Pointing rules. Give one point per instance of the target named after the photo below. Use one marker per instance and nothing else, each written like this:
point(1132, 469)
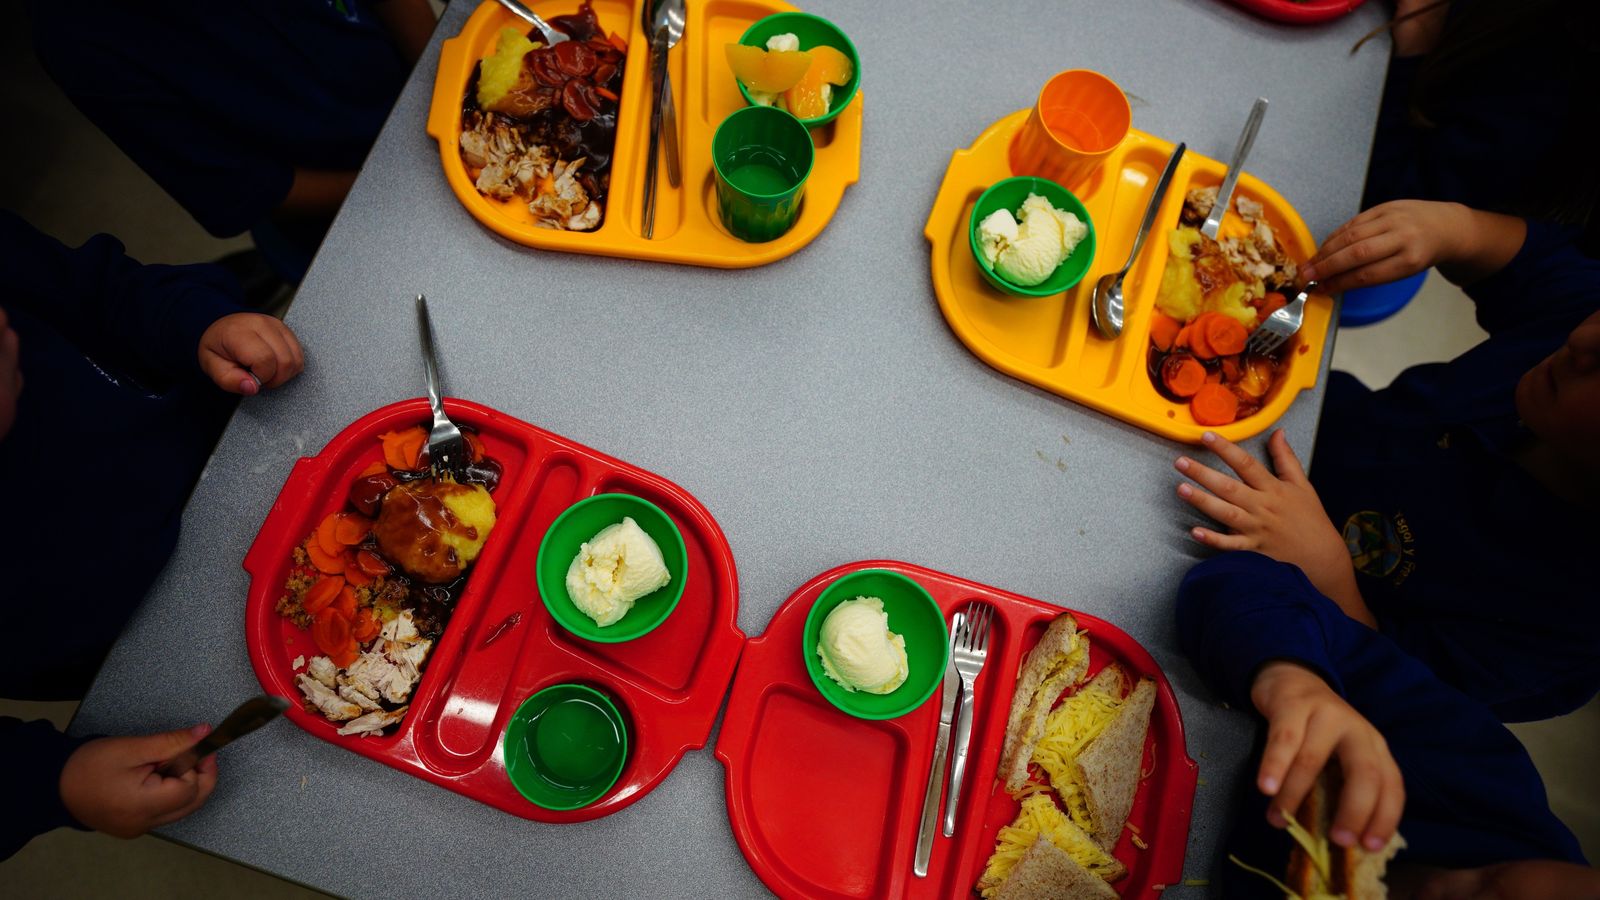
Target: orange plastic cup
point(1079, 118)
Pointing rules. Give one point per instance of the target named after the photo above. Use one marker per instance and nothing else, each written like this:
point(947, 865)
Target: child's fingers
point(1251, 471)
point(1284, 461)
point(283, 364)
point(1219, 541)
point(1225, 486)
point(1307, 764)
point(1354, 263)
point(1363, 785)
point(1285, 735)
point(1391, 806)
point(1218, 509)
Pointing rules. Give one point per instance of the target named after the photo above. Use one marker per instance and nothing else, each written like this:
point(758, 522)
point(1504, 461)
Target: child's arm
point(1532, 879)
point(1400, 238)
point(1277, 515)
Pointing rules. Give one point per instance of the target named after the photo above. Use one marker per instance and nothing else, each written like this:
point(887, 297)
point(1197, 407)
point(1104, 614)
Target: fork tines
point(972, 625)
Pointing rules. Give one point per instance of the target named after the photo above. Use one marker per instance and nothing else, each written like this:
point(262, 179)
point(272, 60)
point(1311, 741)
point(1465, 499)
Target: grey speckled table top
point(819, 407)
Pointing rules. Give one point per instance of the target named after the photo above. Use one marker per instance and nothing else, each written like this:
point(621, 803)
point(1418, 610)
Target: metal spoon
point(1106, 305)
point(669, 107)
point(250, 715)
point(665, 31)
point(552, 37)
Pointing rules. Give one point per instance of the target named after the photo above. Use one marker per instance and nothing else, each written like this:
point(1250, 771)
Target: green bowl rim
point(855, 62)
point(814, 669)
point(716, 163)
point(612, 713)
point(600, 636)
point(1035, 291)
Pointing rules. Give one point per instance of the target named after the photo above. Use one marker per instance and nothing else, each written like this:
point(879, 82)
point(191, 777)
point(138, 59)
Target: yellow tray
point(687, 228)
point(1051, 342)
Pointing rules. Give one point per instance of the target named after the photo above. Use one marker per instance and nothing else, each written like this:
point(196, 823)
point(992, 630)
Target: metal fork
point(1281, 325)
point(447, 449)
point(969, 647)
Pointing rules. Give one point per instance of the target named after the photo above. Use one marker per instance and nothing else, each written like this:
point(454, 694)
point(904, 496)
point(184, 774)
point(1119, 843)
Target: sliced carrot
point(365, 627)
point(374, 468)
point(327, 539)
point(400, 447)
point(319, 595)
point(1182, 375)
point(1214, 404)
point(1270, 304)
point(353, 573)
point(1232, 369)
point(330, 630)
point(347, 655)
point(1180, 341)
point(1198, 342)
point(351, 529)
point(1163, 330)
point(1226, 335)
point(618, 42)
point(371, 563)
point(345, 603)
point(1212, 377)
point(606, 94)
point(327, 563)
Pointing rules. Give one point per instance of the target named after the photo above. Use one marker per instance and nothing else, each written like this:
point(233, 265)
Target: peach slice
point(834, 67)
point(805, 99)
point(769, 71)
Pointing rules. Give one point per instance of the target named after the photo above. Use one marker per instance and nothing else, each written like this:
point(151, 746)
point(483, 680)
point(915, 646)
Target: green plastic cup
point(763, 158)
point(812, 31)
point(1009, 194)
point(565, 746)
point(582, 521)
point(913, 615)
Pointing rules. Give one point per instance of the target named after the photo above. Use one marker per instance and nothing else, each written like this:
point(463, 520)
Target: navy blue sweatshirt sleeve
point(32, 755)
point(109, 305)
point(1473, 795)
point(1548, 281)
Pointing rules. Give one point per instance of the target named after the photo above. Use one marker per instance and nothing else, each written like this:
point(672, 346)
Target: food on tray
point(539, 123)
point(1320, 868)
point(366, 582)
point(792, 79)
point(613, 570)
point(859, 651)
point(1028, 251)
point(1046, 872)
point(1213, 294)
point(1088, 748)
point(434, 529)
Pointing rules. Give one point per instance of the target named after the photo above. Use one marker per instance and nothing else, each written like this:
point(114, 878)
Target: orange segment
point(831, 63)
point(769, 71)
point(804, 100)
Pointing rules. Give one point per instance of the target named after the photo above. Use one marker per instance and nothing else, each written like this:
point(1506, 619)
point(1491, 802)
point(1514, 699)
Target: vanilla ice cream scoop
point(613, 569)
point(859, 651)
point(1036, 246)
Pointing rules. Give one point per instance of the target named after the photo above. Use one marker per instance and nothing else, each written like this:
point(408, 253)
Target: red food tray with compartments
point(826, 805)
point(1303, 12)
point(668, 684)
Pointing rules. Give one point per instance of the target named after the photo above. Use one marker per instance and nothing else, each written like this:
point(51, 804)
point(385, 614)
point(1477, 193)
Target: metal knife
point(1213, 223)
point(669, 107)
point(941, 749)
point(658, 59)
point(250, 715)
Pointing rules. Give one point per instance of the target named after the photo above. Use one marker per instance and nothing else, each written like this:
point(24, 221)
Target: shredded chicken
point(508, 166)
point(385, 674)
point(1258, 256)
point(374, 722)
point(325, 700)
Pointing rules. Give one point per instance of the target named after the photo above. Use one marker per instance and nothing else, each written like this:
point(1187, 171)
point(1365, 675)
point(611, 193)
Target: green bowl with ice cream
point(861, 645)
point(601, 577)
point(1029, 258)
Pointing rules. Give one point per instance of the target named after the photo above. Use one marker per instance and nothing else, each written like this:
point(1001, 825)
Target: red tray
point(668, 684)
point(827, 805)
point(1309, 12)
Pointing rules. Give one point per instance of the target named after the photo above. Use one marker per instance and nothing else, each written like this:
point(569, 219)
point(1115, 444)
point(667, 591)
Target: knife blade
point(658, 60)
point(941, 750)
point(249, 716)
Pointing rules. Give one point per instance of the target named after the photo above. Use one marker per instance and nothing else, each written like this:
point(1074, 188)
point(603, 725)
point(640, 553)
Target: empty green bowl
point(582, 521)
point(565, 746)
point(811, 30)
point(913, 615)
point(1009, 194)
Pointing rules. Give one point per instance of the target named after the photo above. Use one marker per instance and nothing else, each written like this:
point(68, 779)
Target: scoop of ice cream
point(786, 41)
point(614, 569)
point(1045, 237)
point(859, 651)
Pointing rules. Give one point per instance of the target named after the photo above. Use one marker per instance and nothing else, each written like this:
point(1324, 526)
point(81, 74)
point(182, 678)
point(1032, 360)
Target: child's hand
point(1275, 515)
point(1419, 34)
point(1389, 242)
point(246, 352)
point(1532, 879)
point(1306, 724)
point(10, 374)
point(110, 784)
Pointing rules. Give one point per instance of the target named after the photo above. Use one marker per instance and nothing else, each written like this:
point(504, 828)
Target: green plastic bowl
point(582, 521)
point(811, 30)
point(565, 746)
point(912, 614)
point(1009, 194)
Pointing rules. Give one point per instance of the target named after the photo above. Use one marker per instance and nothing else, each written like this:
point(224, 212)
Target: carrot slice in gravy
point(1214, 404)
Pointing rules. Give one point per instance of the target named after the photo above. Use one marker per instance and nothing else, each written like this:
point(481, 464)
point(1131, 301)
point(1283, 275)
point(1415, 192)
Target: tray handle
point(306, 472)
point(445, 105)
